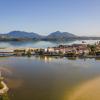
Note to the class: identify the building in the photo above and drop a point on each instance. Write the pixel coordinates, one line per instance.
(19, 52)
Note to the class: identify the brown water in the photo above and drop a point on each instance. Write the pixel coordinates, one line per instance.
(46, 78)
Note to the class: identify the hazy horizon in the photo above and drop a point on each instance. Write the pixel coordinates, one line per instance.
(80, 17)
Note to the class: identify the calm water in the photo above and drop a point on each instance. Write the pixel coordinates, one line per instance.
(46, 78)
(39, 44)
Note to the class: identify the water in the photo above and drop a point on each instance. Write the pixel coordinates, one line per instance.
(51, 78)
(39, 44)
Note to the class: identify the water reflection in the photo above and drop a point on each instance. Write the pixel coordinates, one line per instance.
(98, 58)
(42, 44)
(48, 59)
(50, 78)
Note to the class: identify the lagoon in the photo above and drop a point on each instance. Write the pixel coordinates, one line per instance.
(51, 78)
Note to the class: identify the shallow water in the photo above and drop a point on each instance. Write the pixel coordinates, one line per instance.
(48, 78)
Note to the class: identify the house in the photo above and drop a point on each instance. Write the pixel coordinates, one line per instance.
(19, 52)
(50, 49)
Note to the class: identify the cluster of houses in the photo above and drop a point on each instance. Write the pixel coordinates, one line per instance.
(61, 50)
(68, 50)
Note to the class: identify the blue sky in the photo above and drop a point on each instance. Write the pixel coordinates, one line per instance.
(81, 17)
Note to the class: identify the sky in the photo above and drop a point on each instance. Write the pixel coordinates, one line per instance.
(80, 17)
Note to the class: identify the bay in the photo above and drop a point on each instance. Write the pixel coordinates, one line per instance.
(50, 78)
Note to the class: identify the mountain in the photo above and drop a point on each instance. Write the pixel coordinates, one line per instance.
(55, 36)
(60, 36)
(22, 34)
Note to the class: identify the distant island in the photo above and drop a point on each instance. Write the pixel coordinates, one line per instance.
(55, 36)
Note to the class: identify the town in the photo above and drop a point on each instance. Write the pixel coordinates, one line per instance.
(74, 50)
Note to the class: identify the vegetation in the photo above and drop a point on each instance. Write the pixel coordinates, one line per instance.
(29, 53)
(70, 54)
(92, 49)
(4, 97)
(1, 86)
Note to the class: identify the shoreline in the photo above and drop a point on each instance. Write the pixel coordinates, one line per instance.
(74, 50)
(82, 57)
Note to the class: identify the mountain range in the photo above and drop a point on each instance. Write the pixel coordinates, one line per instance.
(55, 36)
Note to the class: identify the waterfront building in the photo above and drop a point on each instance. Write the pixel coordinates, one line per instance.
(19, 52)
